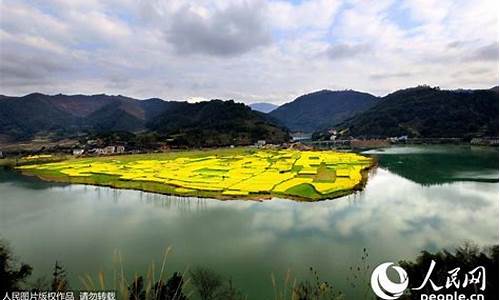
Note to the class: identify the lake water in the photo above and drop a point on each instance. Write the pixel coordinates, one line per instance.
(419, 198)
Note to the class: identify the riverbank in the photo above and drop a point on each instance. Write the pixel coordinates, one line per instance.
(226, 174)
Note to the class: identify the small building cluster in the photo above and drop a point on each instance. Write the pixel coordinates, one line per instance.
(399, 139)
(333, 134)
(100, 151)
(300, 136)
(484, 141)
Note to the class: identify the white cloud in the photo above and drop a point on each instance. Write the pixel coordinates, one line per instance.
(234, 30)
(316, 14)
(247, 50)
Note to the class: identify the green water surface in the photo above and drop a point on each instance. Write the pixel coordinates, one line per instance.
(425, 197)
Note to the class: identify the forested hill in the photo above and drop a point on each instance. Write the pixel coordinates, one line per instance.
(217, 122)
(428, 112)
(321, 109)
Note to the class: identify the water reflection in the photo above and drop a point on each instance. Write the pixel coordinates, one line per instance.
(440, 164)
(28, 182)
(394, 218)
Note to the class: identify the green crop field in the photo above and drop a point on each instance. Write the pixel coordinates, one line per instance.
(240, 173)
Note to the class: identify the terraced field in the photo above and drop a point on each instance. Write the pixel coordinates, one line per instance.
(225, 174)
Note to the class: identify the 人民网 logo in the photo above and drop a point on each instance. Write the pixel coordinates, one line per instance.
(385, 288)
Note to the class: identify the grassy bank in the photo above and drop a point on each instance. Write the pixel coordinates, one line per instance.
(230, 173)
(12, 162)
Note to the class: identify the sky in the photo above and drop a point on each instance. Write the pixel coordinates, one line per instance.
(249, 51)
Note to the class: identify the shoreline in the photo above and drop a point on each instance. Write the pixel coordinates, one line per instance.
(143, 184)
(206, 194)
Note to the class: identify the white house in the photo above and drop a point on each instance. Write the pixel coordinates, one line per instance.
(78, 151)
(109, 149)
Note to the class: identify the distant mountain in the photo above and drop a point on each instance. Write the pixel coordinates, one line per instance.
(321, 109)
(263, 107)
(417, 112)
(25, 116)
(217, 123)
(428, 112)
(200, 124)
(61, 115)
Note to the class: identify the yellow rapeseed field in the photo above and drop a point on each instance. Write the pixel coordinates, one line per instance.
(307, 175)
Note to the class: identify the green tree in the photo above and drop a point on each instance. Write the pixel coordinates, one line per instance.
(59, 281)
(12, 273)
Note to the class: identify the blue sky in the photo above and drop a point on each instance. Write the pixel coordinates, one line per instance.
(250, 51)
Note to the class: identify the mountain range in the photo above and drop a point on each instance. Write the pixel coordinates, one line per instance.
(209, 123)
(421, 111)
(60, 115)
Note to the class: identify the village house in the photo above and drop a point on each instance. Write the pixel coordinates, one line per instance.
(78, 151)
(333, 134)
(300, 136)
(109, 149)
(261, 143)
(399, 139)
(97, 151)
